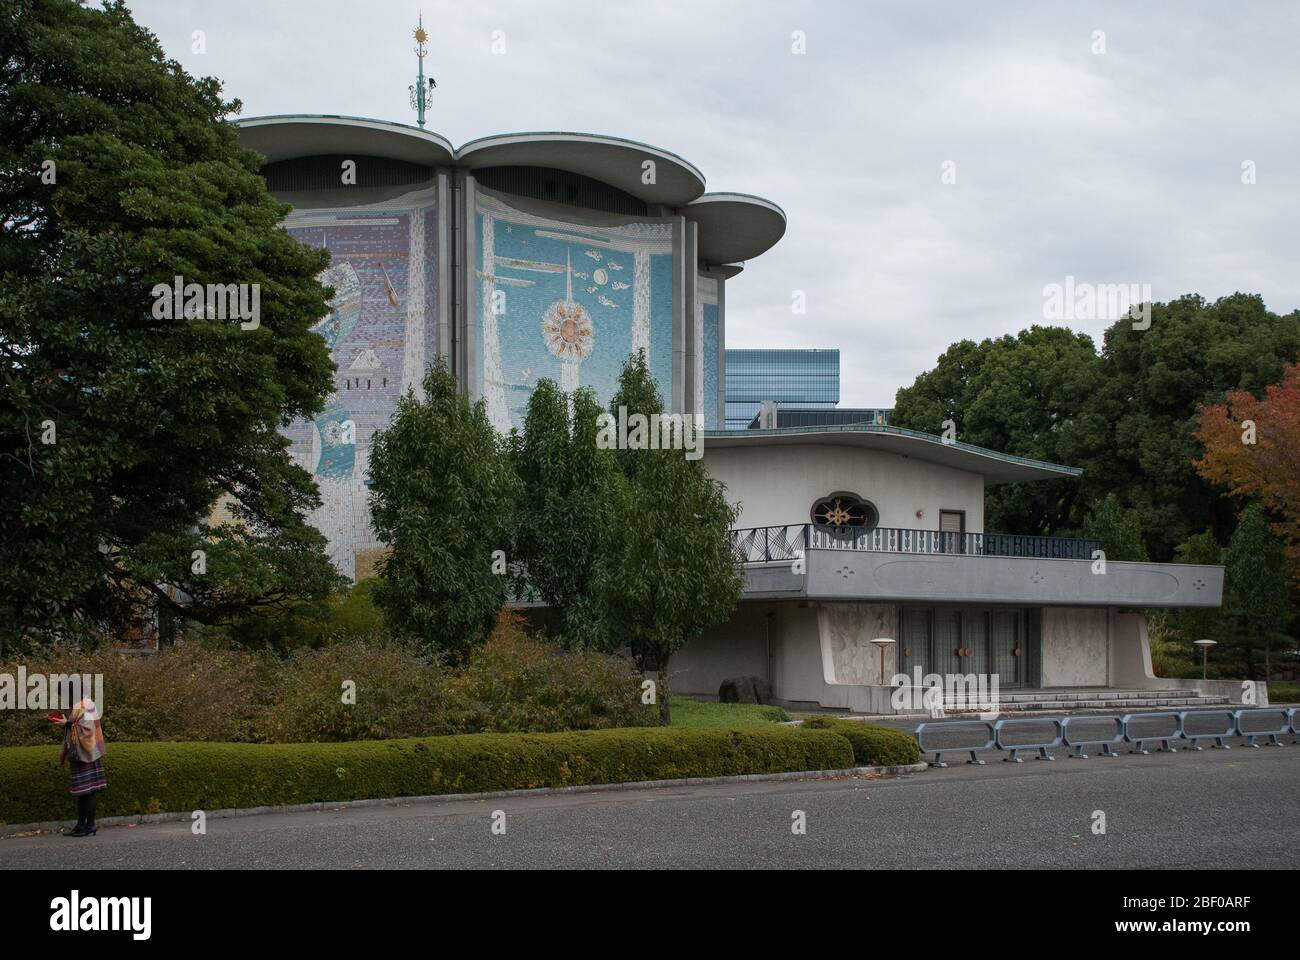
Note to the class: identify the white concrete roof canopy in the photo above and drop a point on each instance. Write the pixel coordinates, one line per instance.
(993, 466)
(610, 160)
(735, 227)
(292, 136)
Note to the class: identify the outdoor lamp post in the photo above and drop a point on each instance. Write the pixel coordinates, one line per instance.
(1205, 653)
(881, 643)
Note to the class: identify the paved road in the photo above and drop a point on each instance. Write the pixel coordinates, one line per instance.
(1185, 810)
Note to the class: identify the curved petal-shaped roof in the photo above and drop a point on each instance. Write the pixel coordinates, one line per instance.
(995, 467)
(612, 160)
(291, 136)
(735, 227)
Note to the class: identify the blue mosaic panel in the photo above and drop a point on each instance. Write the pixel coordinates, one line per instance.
(382, 331)
(711, 366)
(569, 302)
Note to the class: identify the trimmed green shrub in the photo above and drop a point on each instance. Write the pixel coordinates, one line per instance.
(178, 777)
(873, 745)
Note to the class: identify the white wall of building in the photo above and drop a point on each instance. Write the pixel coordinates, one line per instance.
(1076, 647)
(777, 484)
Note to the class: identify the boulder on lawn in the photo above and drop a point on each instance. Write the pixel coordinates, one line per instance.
(745, 690)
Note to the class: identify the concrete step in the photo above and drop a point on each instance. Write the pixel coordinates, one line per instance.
(1107, 706)
(1036, 696)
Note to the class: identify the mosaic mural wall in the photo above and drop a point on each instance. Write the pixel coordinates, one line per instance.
(382, 331)
(567, 301)
(707, 323)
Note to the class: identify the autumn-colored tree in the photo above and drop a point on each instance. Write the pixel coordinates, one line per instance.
(1252, 448)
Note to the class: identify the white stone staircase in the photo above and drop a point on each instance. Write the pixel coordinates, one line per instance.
(1076, 699)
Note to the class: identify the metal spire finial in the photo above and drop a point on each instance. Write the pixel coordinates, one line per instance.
(420, 91)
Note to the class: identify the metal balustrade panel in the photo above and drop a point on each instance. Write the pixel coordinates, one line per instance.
(766, 544)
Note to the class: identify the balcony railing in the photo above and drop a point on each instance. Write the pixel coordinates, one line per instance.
(767, 544)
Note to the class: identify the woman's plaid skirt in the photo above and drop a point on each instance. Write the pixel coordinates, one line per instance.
(86, 777)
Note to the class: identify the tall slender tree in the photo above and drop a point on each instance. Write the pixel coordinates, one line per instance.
(441, 494)
(564, 518)
(1256, 581)
(672, 572)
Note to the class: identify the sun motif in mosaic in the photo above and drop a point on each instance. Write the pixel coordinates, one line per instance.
(567, 330)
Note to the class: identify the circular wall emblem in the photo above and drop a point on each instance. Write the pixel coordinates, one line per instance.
(846, 511)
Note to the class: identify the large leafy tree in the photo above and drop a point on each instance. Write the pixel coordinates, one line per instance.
(442, 489)
(671, 570)
(1127, 415)
(564, 518)
(1023, 394)
(1252, 448)
(1153, 382)
(120, 429)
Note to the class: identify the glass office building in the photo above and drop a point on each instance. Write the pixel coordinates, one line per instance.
(795, 379)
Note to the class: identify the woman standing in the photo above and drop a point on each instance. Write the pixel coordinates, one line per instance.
(83, 747)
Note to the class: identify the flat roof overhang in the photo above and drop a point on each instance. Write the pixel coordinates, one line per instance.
(735, 227)
(612, 160)
(294, 136)
(993, 466)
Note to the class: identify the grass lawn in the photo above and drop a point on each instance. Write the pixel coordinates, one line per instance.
(704, 713)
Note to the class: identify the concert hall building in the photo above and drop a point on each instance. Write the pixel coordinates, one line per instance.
(528, 255)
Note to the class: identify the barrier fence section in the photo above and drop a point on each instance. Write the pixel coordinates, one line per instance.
(1288, 719)
(1217, 735)
(1078, 743)
(1041, 745)
(1164, 739)
(953, 726)
(1000, 735)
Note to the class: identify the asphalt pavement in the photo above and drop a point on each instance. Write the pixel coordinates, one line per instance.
(1186, 810)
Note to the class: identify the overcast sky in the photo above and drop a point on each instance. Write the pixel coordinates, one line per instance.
(1122, 166)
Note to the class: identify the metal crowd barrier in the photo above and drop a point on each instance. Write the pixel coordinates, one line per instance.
(1163, 738)
(949, 725)
(1194, 739)
(998, 734)
(1042, 747)
(1078, 743)
(1273, 741)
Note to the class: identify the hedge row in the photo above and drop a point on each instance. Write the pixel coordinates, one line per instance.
(873, 745)
(182, 777)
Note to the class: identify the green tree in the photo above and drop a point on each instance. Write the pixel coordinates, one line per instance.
(671, 570)
(1152, 383)
(1018, 394)
(1119, 530)
(1255, 563)
(1126, 415)
(441, 495)
(564, 515)
(1190, 624)
(121, 427)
